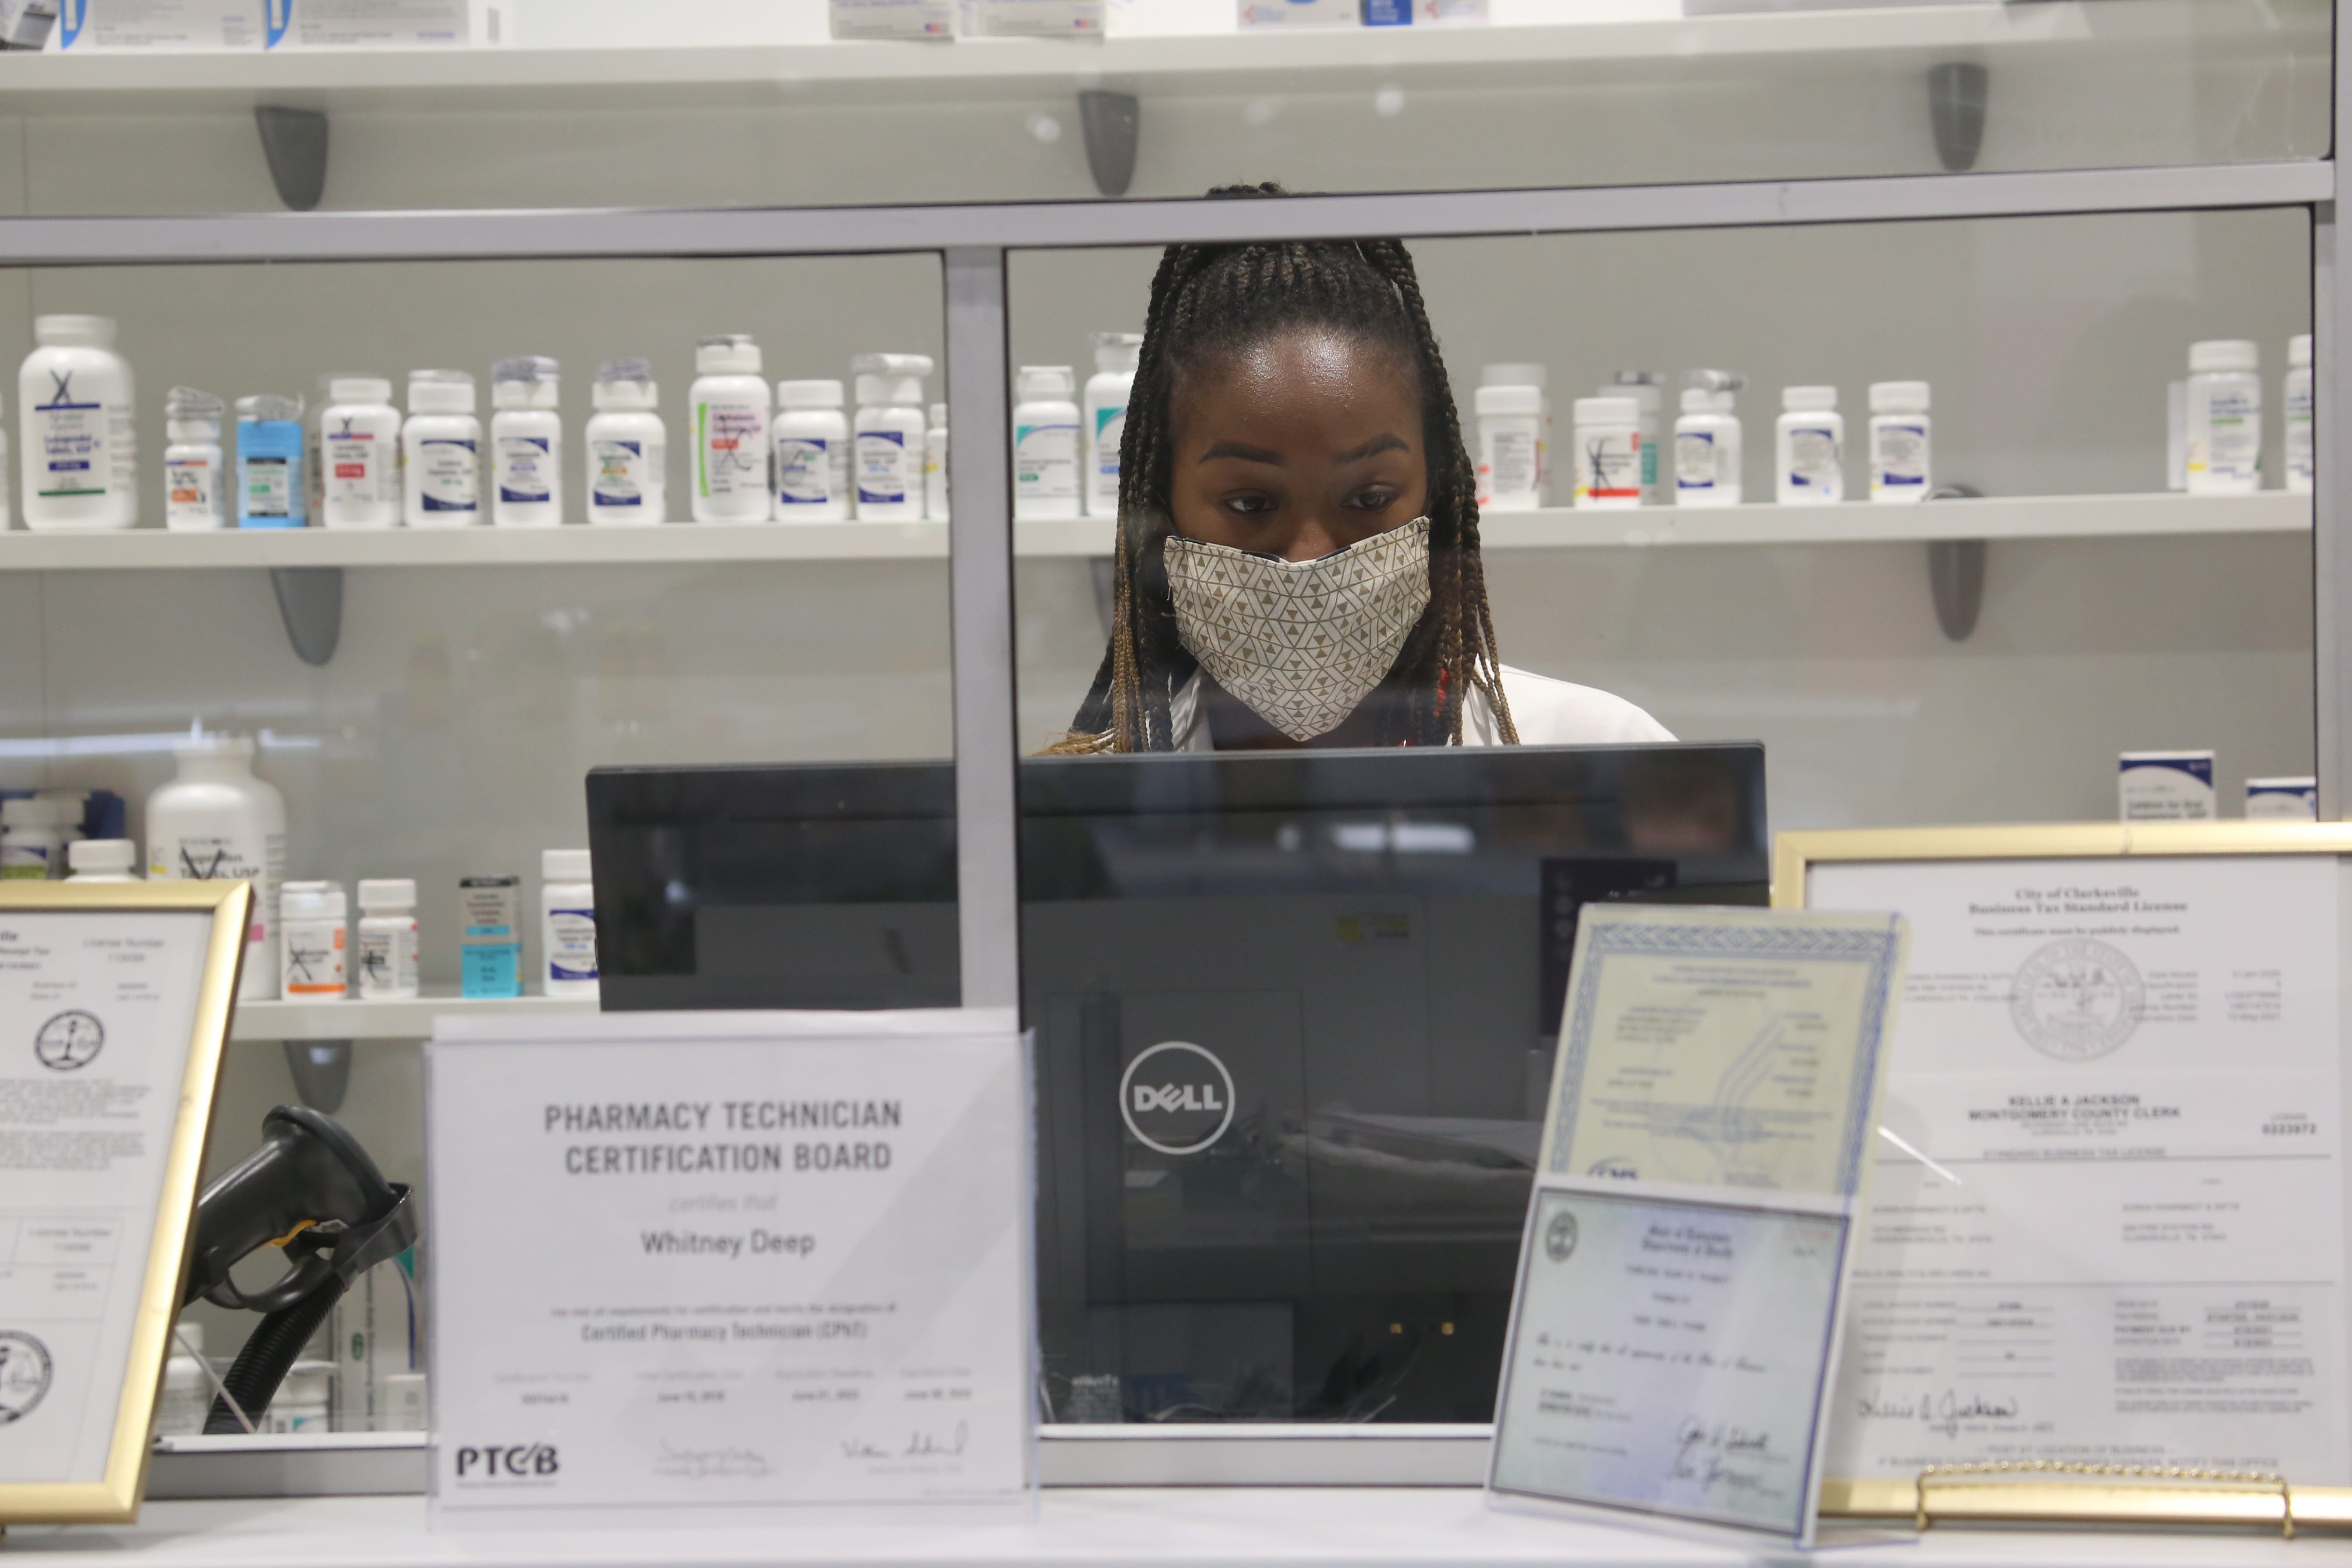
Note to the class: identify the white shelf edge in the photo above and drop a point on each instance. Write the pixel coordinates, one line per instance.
(409, 1019)
(2019, 517)
(53, 79)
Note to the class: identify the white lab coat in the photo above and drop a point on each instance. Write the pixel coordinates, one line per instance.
(1547, 712)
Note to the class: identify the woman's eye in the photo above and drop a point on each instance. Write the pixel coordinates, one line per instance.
(1249, 506)
(1379, 500)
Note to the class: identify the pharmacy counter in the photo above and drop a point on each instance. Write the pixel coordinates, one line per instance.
(1151, 1528)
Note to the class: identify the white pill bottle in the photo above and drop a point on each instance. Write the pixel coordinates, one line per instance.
(388, 941)
(441, 451)
(216, 821)
(730, 405)
(526, 443)
(1046, 443)
(628, 446)
(935, 465)
(2225, 417)
(567, 921)
(888, 437)
(314, 924)
(1809, 447)
(1708, 442)
(1608, 450)
(1900, 442)
(195, 498)
(812, 464)
(1510, 447)
(80, 457)
(358, 455)
(1108, 390)
(2301, 466)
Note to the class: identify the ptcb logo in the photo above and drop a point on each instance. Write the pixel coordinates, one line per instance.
(508, 1461)
(1176, 1098)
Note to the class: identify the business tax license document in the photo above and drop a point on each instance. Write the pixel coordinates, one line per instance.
(2113, 1232)
(1674, 1337)
(727, 1269)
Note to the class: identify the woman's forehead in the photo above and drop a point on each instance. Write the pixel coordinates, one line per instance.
(1304, 374)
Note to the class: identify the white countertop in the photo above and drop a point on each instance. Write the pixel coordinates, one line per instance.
(1208, 1527)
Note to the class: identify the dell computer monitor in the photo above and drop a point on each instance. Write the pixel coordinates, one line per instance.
(1295, 1014)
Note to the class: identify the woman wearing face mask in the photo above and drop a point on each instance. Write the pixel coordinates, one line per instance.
(1297, 558)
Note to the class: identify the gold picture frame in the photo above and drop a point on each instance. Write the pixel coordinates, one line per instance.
(114, 1498)
(2044, 1494)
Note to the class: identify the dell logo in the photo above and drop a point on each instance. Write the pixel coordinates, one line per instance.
(1176, 1097)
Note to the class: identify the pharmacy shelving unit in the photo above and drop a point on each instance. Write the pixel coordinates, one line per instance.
(971, 242)
(2017, 516)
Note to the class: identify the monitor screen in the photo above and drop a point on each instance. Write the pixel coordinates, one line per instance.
(1295, 1014)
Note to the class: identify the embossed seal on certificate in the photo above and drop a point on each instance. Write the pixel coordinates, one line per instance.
(71, 1039)
(25, 1373)
(1560, 1237)
(2076, 999)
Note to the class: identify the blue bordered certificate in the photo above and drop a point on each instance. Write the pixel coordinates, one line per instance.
(1681, 1282)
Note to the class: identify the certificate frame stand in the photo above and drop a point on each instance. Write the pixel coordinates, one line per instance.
(114, 1499)
(2055, 1494)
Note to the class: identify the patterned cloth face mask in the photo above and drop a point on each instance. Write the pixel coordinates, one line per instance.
(1302, 642)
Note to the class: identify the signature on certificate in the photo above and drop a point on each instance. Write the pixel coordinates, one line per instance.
(697, 1463)
(918, 1445)
(1725, 1459)
(1938, 1412)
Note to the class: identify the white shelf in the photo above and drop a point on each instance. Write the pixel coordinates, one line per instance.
(1857, 523)
(404, 1020)
(2022, 517)
(785, 54)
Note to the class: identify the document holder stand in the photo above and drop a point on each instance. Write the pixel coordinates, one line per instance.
(2037, 1493)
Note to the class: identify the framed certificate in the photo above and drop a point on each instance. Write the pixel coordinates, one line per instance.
(2108, 1222)
(114, 1004)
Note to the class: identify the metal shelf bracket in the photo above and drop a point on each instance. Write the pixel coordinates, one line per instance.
(295, 143)
(310, 602)
(1113, 123)
(1955, 574)
(1957, 92)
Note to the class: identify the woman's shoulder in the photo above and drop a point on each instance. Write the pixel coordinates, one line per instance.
(1550, 713)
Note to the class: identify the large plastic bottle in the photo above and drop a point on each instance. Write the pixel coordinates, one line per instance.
(1108, 390)
(80, 455)
(217, 821)
(729, 404)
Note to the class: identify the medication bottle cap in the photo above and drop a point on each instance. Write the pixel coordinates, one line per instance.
(198, 745)
(808, 395)
(625, 384)
(107, 855)
(2298, 349)
(1508, 399)
(1116, 352)
(729, 353)
(564, 866)
(440, 392)
(886, 391)
(1040, 382)
(74, 332)
(2300, 782)
(1520, 374)
(1717, 380)
(1898, 397)
(313, 900)
(1808, 398)
(189, 405)
(1701, 400)
(388, 893)
(2224, 353)
(938, 415)
(23, 811)
(359, 389)
(268, 407)
(1638, 378)
(916, 366)
(1607, 411)
(526, 381)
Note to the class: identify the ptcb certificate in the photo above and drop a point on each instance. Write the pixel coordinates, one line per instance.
(2119, 1238)
(786, 1269)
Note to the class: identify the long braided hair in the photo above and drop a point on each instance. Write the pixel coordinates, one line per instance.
(1207, 303)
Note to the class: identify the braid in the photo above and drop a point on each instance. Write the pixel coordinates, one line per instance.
(1207, 302)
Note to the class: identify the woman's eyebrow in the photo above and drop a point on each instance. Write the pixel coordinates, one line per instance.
(1247, 453)
(1373, 447)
